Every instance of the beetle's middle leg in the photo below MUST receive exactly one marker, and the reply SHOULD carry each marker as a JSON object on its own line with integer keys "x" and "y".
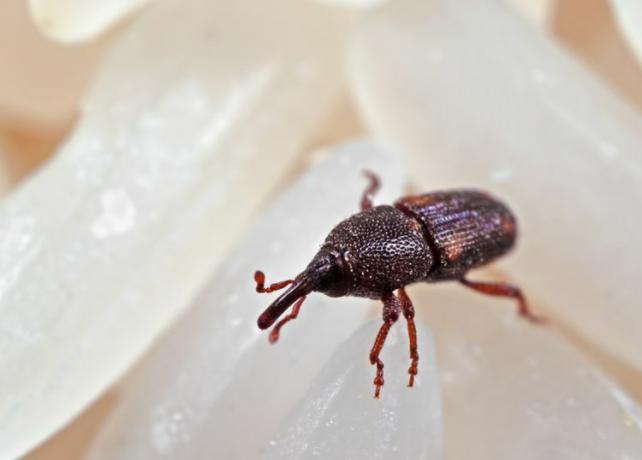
{"x": 409, "y": 313}
{"x": 391, "y": 309}
{"x": 505, "y": 290}
{"x": 368, "y": 193}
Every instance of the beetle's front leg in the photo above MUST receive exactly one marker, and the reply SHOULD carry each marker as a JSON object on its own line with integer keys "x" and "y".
{"x": 409, "y": 314}
{"x": 368, "y": 193}
{"x": 391, "y": 309}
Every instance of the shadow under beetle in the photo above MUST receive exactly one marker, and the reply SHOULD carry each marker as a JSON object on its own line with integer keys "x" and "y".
{"x": 436, "y": 236}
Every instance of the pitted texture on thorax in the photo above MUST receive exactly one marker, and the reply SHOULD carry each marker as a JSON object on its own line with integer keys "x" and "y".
{"x": 384, "y": 249}
{"x": 466, "y": 228}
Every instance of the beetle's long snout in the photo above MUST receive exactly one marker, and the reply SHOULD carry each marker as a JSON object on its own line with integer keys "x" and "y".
{"x": 298, "y": 289}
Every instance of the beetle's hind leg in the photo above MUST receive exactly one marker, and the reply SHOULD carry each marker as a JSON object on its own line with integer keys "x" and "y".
{"x": 506, "y": 290}
{"x": 409, "y": 313}
{"x": 259, "y": 277}
{"x": 391, "y": 309}
{"x": 368, "y": 193}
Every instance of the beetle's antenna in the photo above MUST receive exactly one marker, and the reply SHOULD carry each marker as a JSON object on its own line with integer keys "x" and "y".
{"x": 301, "y": 287}
{"x": 274, "y": 334}
{"x": 259, "y": 278}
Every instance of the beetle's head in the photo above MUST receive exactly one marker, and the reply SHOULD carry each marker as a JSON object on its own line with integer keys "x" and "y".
{"x": 326, "y": 273}
{"x": 330, "y": 271}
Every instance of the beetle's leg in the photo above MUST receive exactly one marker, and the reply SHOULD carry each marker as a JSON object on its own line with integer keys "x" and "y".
{"x": 391, "y": 308}
{"x": 274, "y": 333}
{"x": 368, "y": 193}
{"x": 409, "y": 314}
{"x": 505, "y": 290}
{"x": 259, "y": 277}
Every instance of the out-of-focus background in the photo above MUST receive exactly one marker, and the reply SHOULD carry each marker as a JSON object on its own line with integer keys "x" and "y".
{"x": 41, "y": 87}
{"x": 42, "y": 84}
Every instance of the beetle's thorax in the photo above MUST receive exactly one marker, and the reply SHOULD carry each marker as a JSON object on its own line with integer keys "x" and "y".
{"x": 374, "y": 252}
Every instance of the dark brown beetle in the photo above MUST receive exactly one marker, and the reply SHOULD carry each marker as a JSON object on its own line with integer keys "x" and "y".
{"x": 433, "y": 237}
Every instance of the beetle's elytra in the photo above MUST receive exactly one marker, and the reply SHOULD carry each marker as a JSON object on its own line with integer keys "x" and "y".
{"x": 436, "y": 236}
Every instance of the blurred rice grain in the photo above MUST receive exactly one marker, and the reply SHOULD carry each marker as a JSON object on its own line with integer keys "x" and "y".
{"x": 41, "y": 89}
{"x": 589, "y": 29}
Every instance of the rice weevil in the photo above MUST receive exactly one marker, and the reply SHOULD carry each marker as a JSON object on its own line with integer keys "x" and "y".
{"x": 437, "y": 236}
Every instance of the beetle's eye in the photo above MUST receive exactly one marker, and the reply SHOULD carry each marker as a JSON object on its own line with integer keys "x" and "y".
{"x": 335, "y": 282}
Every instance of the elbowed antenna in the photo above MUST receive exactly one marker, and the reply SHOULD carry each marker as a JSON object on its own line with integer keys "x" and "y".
{"x": 301, "y": 287}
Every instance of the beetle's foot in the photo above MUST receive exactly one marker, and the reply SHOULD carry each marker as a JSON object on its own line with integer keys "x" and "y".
{"x": 391, "y": 307}
{"x": 409, "y": 313}
{"x": 378, "y": 381}
{"x": 526, "y": 313}
{"x": 413, "y": 370}
{"x": 533, "y": 317}
{"x": 378, "y": 390}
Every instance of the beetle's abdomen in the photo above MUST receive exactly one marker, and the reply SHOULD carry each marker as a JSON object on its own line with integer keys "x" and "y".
{"x": 465, "y": 229}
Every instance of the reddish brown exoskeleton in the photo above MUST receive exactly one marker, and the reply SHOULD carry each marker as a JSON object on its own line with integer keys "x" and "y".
{"x": 437, "y": 236}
